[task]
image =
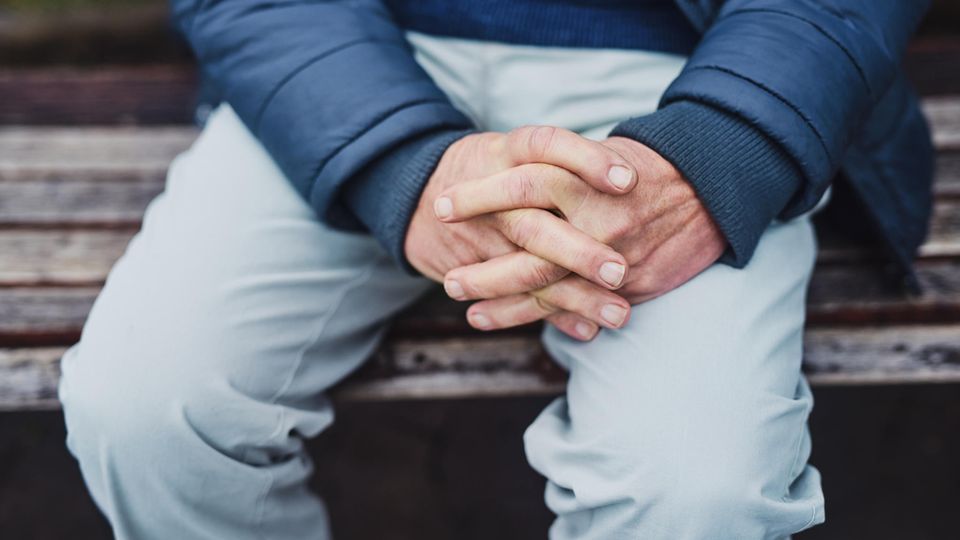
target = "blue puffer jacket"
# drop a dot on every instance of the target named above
(330, 87)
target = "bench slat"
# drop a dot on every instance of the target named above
(77, 202)
(864, 294)
(31, 153)
(58, 257)
(497, 366)
(839, 294)
(76, 149)
(128, 95)
(40, 316)
(66, 257)
(39, 197)
(947, 183)
(70, 199)
(944, 116)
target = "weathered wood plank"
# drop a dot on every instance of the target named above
(866, 294)
(37, 197)
(77, 202)
(38, 316)
(883, 355)
(943, 112)
(59, 257)
(28, 378)
(839, 295)
(947, 182)
(108, 153)
(497, 366)
(64, 257)
(66, 150)
(57, 171)
(146, 95)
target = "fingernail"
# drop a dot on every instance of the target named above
(585, 330)
(454, 289)
(480, 321)
(613, 314)
(443, 207)
(620, 176)
(612, 273)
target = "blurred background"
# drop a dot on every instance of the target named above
(442, 469)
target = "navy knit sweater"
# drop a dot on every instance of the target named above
(744, 179)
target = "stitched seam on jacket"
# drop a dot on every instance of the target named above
(779, 97)
(379, 119)
(846, 51)
(290, 76)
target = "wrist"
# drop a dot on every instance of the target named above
(743, 178)
(385, 194)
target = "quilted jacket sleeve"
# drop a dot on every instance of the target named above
(793, 81)
(329, 87)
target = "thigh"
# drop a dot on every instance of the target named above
(698, 403)
(728, 335)
(233, 284)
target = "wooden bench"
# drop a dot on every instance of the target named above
(71, 198)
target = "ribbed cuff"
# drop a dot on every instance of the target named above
(384, 195)
(742, 177)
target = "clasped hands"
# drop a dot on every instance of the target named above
(541, 223)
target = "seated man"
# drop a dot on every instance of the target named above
(656, 216)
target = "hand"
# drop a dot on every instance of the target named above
(537, 247)
(661, 227)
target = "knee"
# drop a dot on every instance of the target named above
(737, 498)
(666, 468)
(140, 401)
(719, 498)
(120, 410)
(697, 491)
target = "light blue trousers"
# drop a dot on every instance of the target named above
(204, 363)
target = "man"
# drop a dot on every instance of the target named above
(362, 143)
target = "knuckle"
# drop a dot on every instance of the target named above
(475, 289)
(543, 274)
(540, 140)
(644, 281)
(525, 228)
(542, 306)
(550, 273)
(616, 228)
(522, 188)
(538, 276)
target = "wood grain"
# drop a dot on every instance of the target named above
(38, 316)
(943, 113)
(147, 95)
(497, 366)
(71, 199)
(845, 295)
(109, 153)
(61, 256)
